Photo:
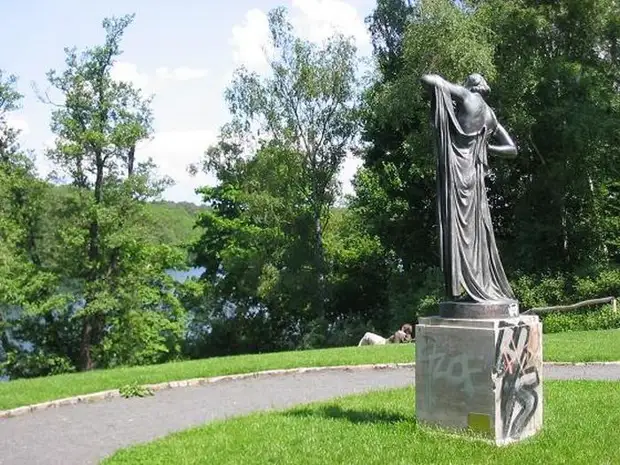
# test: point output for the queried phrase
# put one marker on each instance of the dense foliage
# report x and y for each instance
(84, 264)
(553, 69)
(90, 288)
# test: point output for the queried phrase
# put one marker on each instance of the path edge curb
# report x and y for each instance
(112, 393)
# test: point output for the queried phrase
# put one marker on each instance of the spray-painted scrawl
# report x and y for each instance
(515, 364)
(455, 369)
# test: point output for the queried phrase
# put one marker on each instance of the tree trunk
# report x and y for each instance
(131, 157)
(88, 328)
(93, 252)
(86, 361)
(320, 272)
(564, 223)
(4, 342)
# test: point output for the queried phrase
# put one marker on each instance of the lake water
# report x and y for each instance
(181, 276)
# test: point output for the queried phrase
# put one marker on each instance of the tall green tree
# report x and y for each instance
(387, 25)
(557, 84)
(307, 105)
(553, 71)
(126, 307)
(10, 163)
(256, 247)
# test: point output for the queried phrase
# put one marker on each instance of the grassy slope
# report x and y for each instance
(571, 347)
(28, 391)
(173, 223)
(380, 428)
(583, 346)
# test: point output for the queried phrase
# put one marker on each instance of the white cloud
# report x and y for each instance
(314, 20)
(153, 81)
(18, 123)
(317, 20)
(182, 73)
(173, 152)
(250, 41)
(128, 72)
(49, 143)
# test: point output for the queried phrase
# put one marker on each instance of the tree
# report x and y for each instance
(10, 160)
(387, 26)
(256, 247)
(307, 106)
(558, 75)
(553, 70)
(117, 286)
(361, 269)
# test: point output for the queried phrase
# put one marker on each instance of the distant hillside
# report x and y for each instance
(170, 223)
(173, 222)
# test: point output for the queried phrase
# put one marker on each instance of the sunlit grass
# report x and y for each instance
(581, 421)
(582, 346)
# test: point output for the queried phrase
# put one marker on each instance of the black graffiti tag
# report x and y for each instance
(515, 364)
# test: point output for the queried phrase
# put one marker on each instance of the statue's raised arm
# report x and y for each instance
(434, 80)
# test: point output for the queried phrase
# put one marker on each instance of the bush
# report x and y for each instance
(582, 320)
(415, 295)
(542, 291)
(35, 364)
(565, 288)
(348, 332)
(135, 390)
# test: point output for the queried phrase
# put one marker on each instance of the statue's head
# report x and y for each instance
(476, 83)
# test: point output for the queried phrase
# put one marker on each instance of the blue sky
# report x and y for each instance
(184, 52)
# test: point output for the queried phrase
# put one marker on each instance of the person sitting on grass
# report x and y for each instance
(403, 335)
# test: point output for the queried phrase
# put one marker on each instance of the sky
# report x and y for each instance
(184, 52)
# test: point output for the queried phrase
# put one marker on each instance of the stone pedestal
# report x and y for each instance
(483, 375)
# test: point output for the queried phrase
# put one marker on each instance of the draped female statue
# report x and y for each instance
(466, 130)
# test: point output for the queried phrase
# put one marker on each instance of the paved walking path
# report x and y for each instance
(83, 434)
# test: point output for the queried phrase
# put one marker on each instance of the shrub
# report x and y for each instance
(581, 320)
(542, 291)
(35, 364)
(135, 390)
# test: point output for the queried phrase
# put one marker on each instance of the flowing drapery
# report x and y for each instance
(469, 257)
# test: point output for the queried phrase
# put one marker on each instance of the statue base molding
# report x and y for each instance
(477, 310)
(480, 375)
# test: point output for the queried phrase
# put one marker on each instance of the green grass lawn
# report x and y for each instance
(582, 346)
(570, 347)
(581, 421)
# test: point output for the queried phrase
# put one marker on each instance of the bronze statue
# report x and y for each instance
(464, 127)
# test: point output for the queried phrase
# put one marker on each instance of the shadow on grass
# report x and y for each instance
(353, 416)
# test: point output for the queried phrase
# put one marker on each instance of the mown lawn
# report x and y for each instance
(570, 347)
(581, 421)
(582, 346)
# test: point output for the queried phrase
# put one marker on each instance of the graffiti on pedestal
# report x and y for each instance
(453, 369)
(515, 363)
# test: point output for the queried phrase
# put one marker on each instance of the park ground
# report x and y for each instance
(580, 427)
(586, 346)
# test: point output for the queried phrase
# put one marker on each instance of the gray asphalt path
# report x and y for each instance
(83, 434)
